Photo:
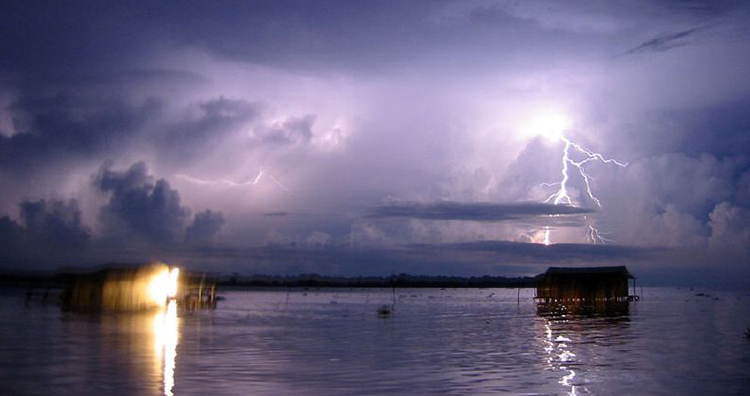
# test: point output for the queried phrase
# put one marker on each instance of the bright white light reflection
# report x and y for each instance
(166, 337)
(559, 356)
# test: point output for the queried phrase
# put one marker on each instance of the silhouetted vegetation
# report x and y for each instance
(59, 279)
(35, 279)
(400, 281)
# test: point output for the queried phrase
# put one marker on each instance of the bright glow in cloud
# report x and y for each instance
(561, 196)
(550, 124)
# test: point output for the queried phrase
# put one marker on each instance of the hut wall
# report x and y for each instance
(112, 290)
(588, 287)
(82, 295)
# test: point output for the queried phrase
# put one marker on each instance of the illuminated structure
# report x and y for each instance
(157, 288)
(118, 289)
(596, 287)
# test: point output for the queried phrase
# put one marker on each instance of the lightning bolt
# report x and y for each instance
(261, 174)
(561, 196)
(594, 236)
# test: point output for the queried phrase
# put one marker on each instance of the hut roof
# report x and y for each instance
(589, 270)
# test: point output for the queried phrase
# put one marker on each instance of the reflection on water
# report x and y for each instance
(584, 309)
(560, 357)
(576, 320)
(582, 343)
(332, 342)
(166, 336)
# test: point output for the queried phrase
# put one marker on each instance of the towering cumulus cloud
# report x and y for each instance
(140, 207)
(203, 229)
(48, 231)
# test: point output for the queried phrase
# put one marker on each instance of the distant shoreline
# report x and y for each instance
(399, 281)
(308, 281)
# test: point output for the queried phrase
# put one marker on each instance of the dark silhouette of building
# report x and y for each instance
(573, 285)
(136, 288)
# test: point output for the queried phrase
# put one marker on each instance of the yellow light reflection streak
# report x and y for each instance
(163, 290)
(166, 337)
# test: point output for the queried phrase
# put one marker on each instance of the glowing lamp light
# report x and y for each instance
(163, 286)
(172, 285)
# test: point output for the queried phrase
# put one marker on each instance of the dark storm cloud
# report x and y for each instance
(293, 34)
(471, 257)
(48, 230)
(494, 15)
(47, 44)
(49, 39)
(665, 42)
(727, 122)
(536, 252)
(203, 230)
(703, 7)
(192, 139)
(44, 42)
(303, 34)
(61, 128)
(143, 210)
(141, 218)
(719, 129)
(55, 223)
(159, 75)
(139, 207)
(473, 211)
(230, 129)
(276, 214)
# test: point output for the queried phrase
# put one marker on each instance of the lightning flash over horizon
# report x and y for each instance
(552, 127)
(561, 196)
(261, 174)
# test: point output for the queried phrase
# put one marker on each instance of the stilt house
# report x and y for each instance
(584, 285)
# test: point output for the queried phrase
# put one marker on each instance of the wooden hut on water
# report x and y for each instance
(585, 285)
(136, 288)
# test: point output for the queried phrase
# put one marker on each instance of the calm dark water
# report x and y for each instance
(332, 342)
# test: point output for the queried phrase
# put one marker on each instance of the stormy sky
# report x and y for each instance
(372, 137)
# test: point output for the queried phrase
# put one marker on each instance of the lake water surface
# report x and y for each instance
(332, 342)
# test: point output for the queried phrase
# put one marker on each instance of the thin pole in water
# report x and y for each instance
(393, 305)
(393, 289)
